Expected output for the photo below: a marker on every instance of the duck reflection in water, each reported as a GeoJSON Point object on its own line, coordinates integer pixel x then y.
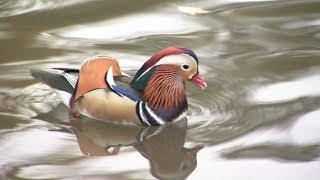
{"type": "Point", "coordinates": [163, 146]}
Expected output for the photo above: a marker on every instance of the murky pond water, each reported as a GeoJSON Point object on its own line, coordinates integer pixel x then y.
{"type": "Point", "coordinates": [259, 118]}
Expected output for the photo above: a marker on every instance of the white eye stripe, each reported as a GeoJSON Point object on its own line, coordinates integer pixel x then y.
{"type": "Point", "coordinates": [177, 59]}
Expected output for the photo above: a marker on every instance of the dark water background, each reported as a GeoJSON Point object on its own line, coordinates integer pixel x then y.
{"type": "Point", "coordinates": [258, 119]}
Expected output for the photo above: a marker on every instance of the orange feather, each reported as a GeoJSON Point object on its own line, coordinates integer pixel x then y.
{"type": "Point", "coordinates": [165, 88]}
{"type": "Point", "coordinates": [92, 74]}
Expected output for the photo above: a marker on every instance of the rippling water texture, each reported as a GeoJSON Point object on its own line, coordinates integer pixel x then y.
{"type": "Point", "coordinates": [258, 119]}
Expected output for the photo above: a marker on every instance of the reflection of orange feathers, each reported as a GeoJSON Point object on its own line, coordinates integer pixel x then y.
{"type": "Point", "coordinates": [89, 148]}
{"type": "Point", "coordinates": [92, 74]}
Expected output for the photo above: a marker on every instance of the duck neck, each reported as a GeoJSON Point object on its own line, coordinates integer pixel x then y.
{"type": "Point", "coordinates": [165, 93]}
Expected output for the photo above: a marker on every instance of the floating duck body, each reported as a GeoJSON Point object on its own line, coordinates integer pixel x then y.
{"type": "Point", "coordinates": [156, 94]}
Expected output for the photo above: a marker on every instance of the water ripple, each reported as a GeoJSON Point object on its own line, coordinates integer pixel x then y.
{"type": "Point", "coordinates": [11, 8]}
{"type": "Point", "coordinates": [214, 109]}
{"type": "Point", "coordinates": [129, 27]}
{"type": "Point", "coordinates": [29, 101]}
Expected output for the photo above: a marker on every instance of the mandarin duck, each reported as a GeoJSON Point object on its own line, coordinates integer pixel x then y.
{"type": "Point", "coordinates": [100, 90]}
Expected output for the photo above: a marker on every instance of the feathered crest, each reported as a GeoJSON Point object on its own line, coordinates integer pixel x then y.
{"type": "Point", "coordinates": [147, 66]}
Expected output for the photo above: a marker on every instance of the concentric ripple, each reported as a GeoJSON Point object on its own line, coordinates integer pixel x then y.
{"type": "Point", "coordinates": [214, 114]}
{"type": "Point", "coordinates": [219, 108]}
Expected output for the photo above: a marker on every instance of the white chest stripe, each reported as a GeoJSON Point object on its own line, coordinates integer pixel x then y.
{"type": "Point", "coordinates": [148, 116]}
{"type": "Point", "coordinates": [159, 120]}
{"type": "Point", "coordinates": [143, 117]}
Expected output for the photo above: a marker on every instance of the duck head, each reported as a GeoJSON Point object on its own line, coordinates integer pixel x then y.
{"type": "Point", "coordinates": [162, 78]}
{"type": "Point", "coordinates": [184, 60]}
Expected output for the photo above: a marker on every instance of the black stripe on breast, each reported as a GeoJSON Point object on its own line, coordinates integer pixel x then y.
{"type": "Point", "coordinates": [150, 119]}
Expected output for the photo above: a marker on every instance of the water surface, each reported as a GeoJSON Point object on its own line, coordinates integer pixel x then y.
{"type": "Point", "coordinates": [258, 118]}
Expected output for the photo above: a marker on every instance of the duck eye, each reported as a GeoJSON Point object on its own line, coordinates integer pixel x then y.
{"type": "Point", "coordinates": [185, 66]}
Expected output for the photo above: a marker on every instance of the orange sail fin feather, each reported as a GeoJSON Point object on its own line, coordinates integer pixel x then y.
{"type": "Point", "coordinates": [92, 74]}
